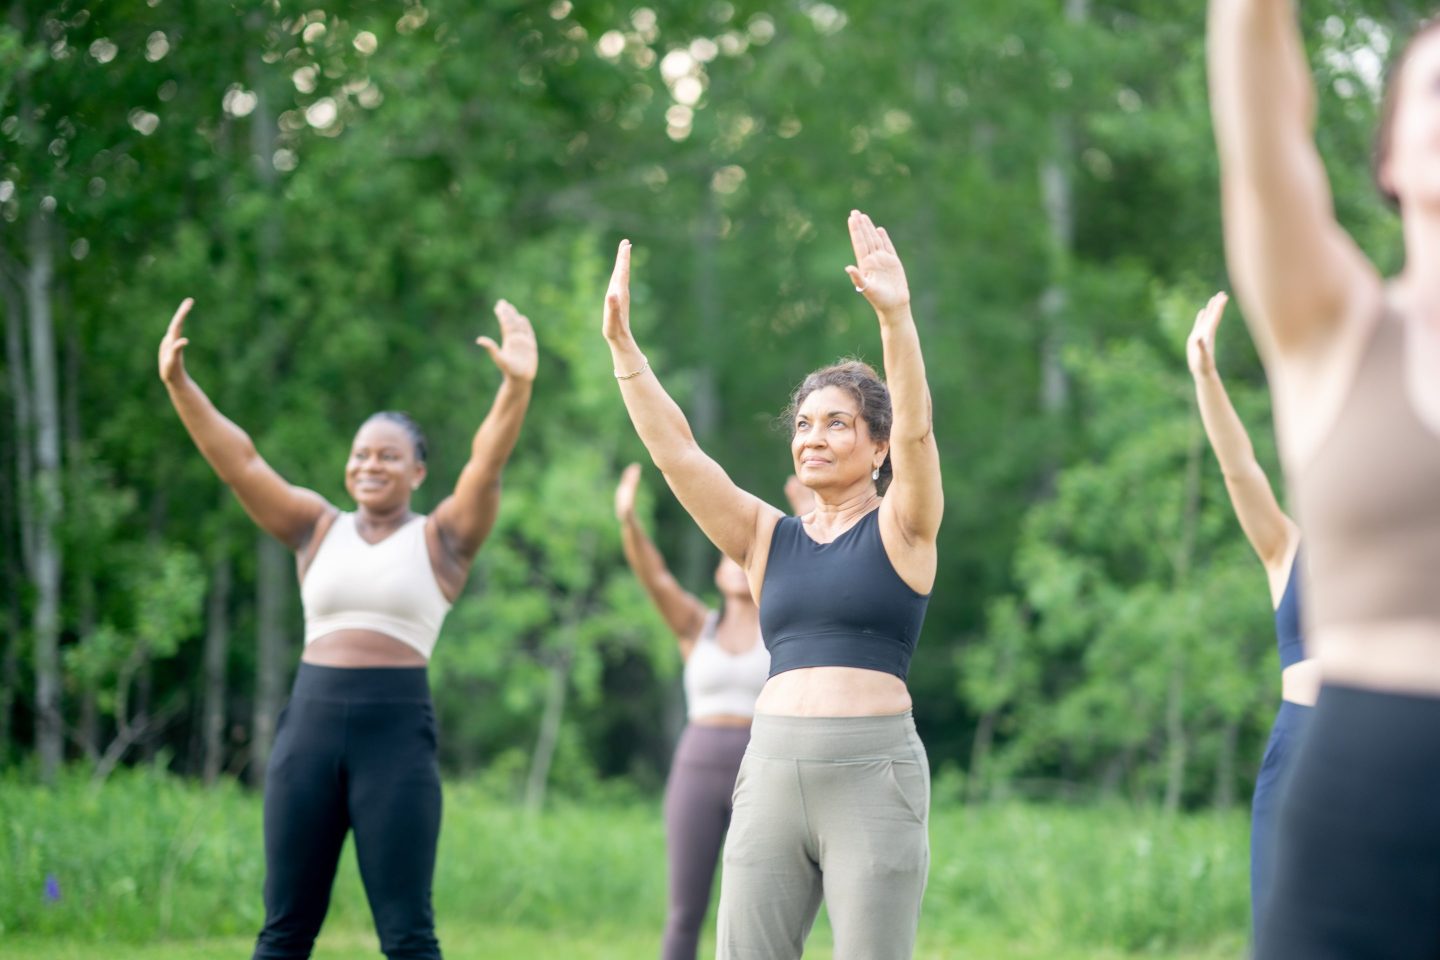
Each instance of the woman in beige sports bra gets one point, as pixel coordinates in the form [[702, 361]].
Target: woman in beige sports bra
[[1354, 367], [726, 664], [355, 746]]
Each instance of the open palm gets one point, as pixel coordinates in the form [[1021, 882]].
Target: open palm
[[877, 273], [517, 354], [1200, 346]]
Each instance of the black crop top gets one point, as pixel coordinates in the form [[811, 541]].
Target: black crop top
[[837, 604]]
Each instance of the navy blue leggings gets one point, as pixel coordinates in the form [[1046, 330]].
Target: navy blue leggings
[[1358, 859], [355, 750], [1291, 724]]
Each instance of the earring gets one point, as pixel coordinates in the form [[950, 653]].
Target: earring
[[875, 474]]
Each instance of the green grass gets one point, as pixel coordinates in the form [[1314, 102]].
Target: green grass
[[156, 867]]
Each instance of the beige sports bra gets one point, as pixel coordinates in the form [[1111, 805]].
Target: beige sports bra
[[387, 587], [1369, 501]]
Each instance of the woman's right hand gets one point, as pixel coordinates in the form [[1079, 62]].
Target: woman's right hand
[[616, 325], [625, 493], [1200, 347], [172, 346]]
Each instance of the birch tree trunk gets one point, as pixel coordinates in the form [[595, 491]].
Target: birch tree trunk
[[217, 649], [49, 499], [272, 578]]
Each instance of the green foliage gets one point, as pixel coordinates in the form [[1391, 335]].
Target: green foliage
[[150, 857], [1139, 596], [346, 188]]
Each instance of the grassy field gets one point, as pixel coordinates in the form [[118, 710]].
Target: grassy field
[[155, 867]]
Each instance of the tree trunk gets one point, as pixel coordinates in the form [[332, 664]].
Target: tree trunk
[[89, 723], [1057, 194], [1177, 745], [217, 649], [18, 370], [555, 696], [272, 583], [1225, 766], [274, 568], [49, 500], [980, 755], [697, 553]]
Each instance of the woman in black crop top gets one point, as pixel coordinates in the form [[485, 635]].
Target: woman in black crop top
[[833, 793], [1352, 360]]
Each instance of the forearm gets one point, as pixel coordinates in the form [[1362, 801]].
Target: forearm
[[500, 430], [644, 558], [227, 448], [1227, 434], [658, 419], [913, 417], [1265, 524]]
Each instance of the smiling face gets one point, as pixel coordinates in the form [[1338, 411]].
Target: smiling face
[[382, 470], [832, 447], [1408, 154]]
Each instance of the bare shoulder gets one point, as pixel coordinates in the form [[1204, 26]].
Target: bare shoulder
[[306, 551]]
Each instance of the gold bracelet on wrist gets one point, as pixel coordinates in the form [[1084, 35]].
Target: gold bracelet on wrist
[[630, 376]]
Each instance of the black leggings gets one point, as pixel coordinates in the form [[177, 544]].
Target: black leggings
[[697, 812], [355, 750], [1358, 858]]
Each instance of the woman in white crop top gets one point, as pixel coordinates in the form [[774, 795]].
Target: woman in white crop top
[[355, 746], [726, 665]]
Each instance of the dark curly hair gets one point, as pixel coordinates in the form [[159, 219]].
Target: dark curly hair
[[411, 428], [860, 380]]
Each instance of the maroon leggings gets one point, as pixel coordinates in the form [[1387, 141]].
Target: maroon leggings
[[697, 812]]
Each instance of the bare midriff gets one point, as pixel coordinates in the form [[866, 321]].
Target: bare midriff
[[1392, 657], [721, 720], [1300, 682], [361, 648], [833, 692]]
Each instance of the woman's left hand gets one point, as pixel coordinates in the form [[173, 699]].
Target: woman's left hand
[[516, 355], [878, 273]]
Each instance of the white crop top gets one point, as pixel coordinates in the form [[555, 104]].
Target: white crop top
[[720, 682], [388, 587]]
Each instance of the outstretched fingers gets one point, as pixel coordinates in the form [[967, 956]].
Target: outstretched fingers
[[177, 322], [620, 276], [1207, 321], [860, 238], [617, 295]]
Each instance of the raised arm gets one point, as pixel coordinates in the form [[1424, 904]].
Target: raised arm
[[737, 522], [684, 614], [1271, 533], [286, 512], [1299, 276], [463, 519], [915, 495]]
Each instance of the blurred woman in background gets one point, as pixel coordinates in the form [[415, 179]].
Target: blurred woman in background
[[1276, 541], [1354, 367], [726, 665]]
